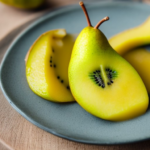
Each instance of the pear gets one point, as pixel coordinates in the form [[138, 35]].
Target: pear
[[47, 66], [103, 82]]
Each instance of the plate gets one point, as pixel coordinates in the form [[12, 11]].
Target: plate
[[69, 120]]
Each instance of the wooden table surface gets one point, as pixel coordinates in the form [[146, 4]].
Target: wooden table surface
[[15, 131]]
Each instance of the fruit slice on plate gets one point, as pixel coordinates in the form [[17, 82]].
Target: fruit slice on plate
[[131, 38], [140, 59], [47, 66], [103, 82]]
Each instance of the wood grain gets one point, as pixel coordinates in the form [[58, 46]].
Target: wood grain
[[15, 131]]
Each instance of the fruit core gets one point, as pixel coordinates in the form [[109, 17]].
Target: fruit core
[[103, 76]]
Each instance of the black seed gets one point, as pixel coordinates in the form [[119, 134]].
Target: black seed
[[50, 65], [108, 83], [99, 84], [58, 77], [50, 61], [52, 50], [111, 81], [103, 86], [68, 87], [109, 76], [62, 81], [96, 79], [54, 66]]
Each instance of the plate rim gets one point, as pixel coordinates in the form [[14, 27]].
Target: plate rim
[[50, 14]]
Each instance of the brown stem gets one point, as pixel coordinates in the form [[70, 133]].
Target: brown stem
[[101, 21], [85, 12]]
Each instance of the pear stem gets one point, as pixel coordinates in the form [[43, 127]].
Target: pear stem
[[101, 21], [85, 12]]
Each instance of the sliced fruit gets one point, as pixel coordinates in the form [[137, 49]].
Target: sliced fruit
[[140, 59], [47, 66], [131, 38]]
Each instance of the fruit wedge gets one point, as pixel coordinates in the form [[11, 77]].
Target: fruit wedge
[[131, 38], [140, 59], [47, 66]]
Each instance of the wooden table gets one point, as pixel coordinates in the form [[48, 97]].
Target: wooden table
[[15, 131]]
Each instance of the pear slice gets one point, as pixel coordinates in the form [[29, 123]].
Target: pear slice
[[140, 59], [47, 66], [103, 82], [131, 38]]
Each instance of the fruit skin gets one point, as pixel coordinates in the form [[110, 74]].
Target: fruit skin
[[47, 59], [126, 98], [131, 38], [23, 4], [140, 59]]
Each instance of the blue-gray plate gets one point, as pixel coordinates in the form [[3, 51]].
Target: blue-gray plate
[[69, 120]]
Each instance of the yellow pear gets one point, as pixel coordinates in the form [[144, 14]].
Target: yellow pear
[[103, 82]]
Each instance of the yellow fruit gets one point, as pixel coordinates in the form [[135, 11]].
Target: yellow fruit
[[140, 60], [131, 38], [101, 81], [47, 66], [23, 4]]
